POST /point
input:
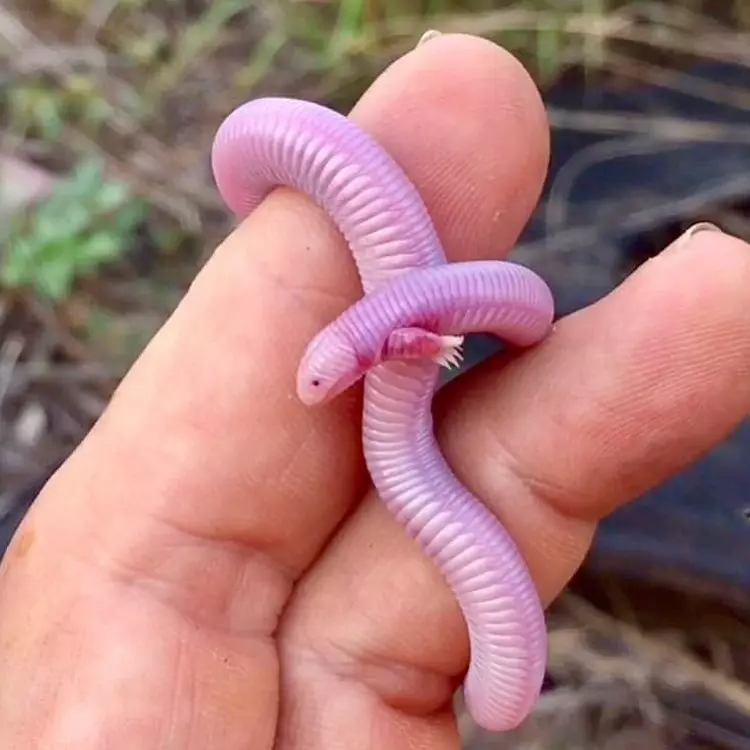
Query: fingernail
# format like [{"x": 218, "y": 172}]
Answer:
[
  {"x": 431, "y": 34},
  {"x": 701, "y": 226}
]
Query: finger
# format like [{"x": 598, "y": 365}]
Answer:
[
  {"x": 480, "y": 197},
  {"x": 205, "y": 432},
  {"x": 625, "y": 394},
  {"x": 622, "y": 395}
]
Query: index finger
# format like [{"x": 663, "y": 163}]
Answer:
[{"x": 205, "y": 432}]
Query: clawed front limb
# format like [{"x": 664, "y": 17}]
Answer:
[{"x": 417, "y": 343}]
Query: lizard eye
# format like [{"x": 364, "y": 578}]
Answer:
[{"x": 315, "y": 383}]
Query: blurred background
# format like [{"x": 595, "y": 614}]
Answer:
[{"x": 107, "y": 208}]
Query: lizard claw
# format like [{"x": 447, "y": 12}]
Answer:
[{"x": 450, "y": 354}]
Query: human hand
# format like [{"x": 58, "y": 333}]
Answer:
[{"x": 210, "y": 568}]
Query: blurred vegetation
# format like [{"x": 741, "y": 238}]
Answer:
[{"x": 87, "y": 222}]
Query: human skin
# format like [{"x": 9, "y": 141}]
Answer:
[{"x": 210, "y": 568}]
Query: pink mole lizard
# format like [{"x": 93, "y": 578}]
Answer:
[{"x": 412, "y": 319}]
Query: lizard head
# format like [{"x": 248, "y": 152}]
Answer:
[{"x": 329, "y": 366}]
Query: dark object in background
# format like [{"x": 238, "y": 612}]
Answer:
[
  {"x": 691, "y": 531},
  {"x": 15, "y": 505},
  {"x": 616, "y": 199},
  {"x": 679, "y": 557}
]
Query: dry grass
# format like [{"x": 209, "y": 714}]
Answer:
[
  {"x": 622, "y": 684},
  {"x": 125, "y": 81}
]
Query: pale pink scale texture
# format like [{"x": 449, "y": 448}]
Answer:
[
  {"x": 270, "y": 142},
  {"x": 407, "y": 282},
  {"x": 479, "y": 560}
]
